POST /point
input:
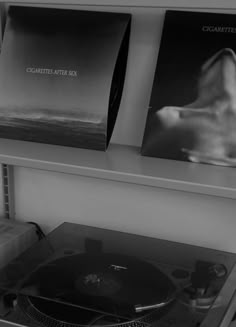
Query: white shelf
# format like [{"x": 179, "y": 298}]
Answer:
[
  {"x": 201, "y": 4},
  {"x": 123, "y": 164}
]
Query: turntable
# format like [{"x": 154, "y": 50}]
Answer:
[{"x": 85, "y": 276}]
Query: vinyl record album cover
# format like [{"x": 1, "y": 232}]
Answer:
[
  {"x": 192, "y": 114},
  {"x": 61, "y": 75}
]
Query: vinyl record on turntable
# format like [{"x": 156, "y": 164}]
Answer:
[{"x": 106, "y": 282}]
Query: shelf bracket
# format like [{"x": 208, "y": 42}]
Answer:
[{"x": 8, "y": 191}]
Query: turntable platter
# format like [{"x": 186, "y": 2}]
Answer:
[
  {"x": 106, "y": 282},
  {"x": 51, "y": 314}
]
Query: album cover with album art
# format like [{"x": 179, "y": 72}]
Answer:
[
  {"x": 61, "y": 75},
  {"x": 192, "y": 113}
]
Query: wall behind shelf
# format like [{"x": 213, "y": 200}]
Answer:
[{"x": 50, "y": 198}]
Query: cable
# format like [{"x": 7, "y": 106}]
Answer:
[{"x": 39, "y": 231}]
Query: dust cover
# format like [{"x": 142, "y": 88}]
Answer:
[
  {"x": 192, "y": 113},
  {"x": 61, "y": 75}
]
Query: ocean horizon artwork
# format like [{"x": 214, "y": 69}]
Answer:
[
  {"x": 54, "y": 126},
  {"x": 57, "y": 73}
]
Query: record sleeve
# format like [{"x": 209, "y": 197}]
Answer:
[
  {"x": 61, "y": 75},
  {"x": 192, "y": 113}
]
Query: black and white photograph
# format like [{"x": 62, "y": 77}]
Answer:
[
  {"x": 103, "y": 224},
  {"x": 192, "y": 114},
  {"x": 57, "y": 80}
]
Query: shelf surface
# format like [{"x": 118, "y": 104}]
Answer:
[
  {"x": 123, "y": 164},
  {"x": 213, "y": 4}
]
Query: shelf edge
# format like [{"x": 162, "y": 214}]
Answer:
[{"x": 123, "y": 177}]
